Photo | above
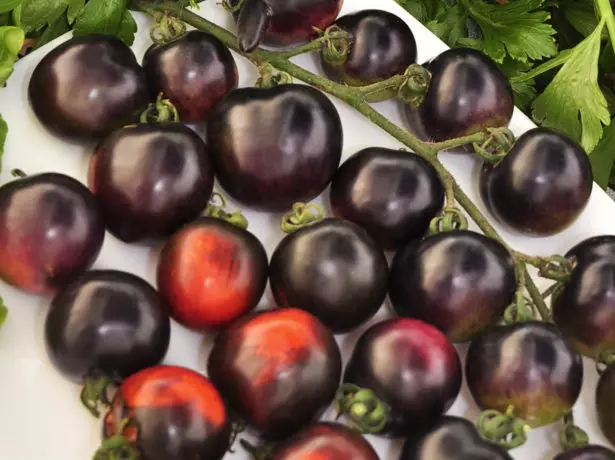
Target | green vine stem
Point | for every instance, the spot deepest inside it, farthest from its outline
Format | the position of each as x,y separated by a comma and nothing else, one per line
362,407
503,429
301,215
356,98
521,310
218,211
161,111
571,436
94,394
557,268
553,290
117,447
269,77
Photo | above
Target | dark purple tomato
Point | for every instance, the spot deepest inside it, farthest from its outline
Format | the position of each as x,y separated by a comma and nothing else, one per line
585,309
382,46
467,94
541,186
605,395
325,441
333,270
87,87
170,413
107,323
592,452
461,282
591,249
278,370
530,367
194,72
451,438
211,272
393,195
150,180
51,231
282,23
274,147
411,367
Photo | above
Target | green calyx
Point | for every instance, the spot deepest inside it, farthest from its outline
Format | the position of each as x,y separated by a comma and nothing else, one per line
161,111
496,146
415,85
451,219
365,412
503,429
301,216
336,43
94,394
118,447
218,211
571,436
520,311
166,29
269,77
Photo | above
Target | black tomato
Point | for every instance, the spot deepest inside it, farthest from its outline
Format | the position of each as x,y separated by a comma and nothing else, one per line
467,94
151,179
382,46
585,308
391,194
541,186
461,282
591,249
325,441
332,269
282,22
409,370
278,370
106,324
452,438
51,230
194,72
605,395
275,147
591,452
87,87
211,272
530,367
169,413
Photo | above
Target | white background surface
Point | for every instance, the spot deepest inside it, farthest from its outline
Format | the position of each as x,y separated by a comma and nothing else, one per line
42,418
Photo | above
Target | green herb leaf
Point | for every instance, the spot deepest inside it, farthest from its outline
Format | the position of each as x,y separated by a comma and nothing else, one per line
4,129
518,28
100,16
422,10
525,90
581,14
36,14
450,25
603,155
9,5
11,41
74,8
573,102
53,31
128,28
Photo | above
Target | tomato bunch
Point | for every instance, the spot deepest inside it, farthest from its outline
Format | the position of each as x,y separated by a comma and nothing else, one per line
273,148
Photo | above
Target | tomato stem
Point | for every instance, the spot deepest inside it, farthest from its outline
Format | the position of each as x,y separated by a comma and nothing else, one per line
270,77
18,173
571,436
218,211
161,111
301,216
94,394
336,46
502,428
366,412
166,29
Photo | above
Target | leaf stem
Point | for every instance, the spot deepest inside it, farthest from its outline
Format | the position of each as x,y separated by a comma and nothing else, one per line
606,13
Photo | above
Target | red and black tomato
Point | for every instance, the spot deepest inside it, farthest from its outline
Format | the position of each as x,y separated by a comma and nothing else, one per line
168,413
278,370
211,272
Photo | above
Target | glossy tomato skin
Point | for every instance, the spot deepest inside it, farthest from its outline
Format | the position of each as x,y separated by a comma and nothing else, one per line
461,282
451,438
51,231
591,452
274,147
393,195
467,93
591,249
605,395
150,180
325,441
585,309
541,186
211,272
333,270
282,23
530,366
194,72
382,46
277,369
107,323
409,365
174,413
87,87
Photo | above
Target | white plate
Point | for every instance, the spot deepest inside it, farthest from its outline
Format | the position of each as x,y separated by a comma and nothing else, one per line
42,418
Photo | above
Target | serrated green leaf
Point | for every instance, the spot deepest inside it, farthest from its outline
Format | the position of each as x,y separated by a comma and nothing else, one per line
53,31
524,91
128,28
100,16
450,25
603,156
573,102
422,10
9,5
11,41
74,8
36,14
518,28
4,129
581,14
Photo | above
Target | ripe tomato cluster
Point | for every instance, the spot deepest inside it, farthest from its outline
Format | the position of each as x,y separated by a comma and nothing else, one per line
274,149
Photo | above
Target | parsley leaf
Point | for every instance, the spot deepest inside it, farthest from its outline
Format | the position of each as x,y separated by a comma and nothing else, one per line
11,41
580,14
519,28
422,10
524,90
128,27
4,129
74,8
9,5
104,17
573,102
53,31
603,155
450,25
36,14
